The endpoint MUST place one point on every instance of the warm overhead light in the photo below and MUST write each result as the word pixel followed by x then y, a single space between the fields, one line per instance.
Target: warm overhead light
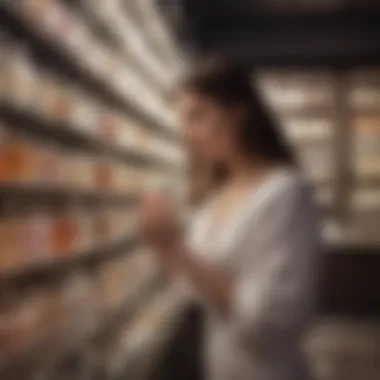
pixel 365 97
pixel 367 167
pixel 284 91
pixel 325 196
pixel 332 231
pixel 365 199
pixel 299 129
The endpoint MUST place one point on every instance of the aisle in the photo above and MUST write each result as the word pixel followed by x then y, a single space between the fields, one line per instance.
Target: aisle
pixel 346 349
pixel 339 348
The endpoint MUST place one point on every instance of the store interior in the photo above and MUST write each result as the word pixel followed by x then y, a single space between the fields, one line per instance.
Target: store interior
pixel 86 126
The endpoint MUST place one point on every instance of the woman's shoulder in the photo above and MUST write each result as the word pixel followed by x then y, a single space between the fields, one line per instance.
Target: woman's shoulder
pixel 291 178
pixel 291 181
pixel 289 188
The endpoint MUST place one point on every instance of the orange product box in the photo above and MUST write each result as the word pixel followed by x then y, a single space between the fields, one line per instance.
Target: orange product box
pixel 22 156
pixel 64 233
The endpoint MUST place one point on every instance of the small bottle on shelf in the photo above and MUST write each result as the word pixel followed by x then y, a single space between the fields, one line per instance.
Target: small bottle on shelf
pixel 82 316
pixel 22 90
pixel 6 68
pixel 107 126
pixel 34 236
pixel 129 179
pixel 103 174
pixel 101 289
pixel 83 114
pixel 117 223
pixel 9 254
pixel 159 148
pixel 142 140
pixel 47 95
pixel 108 214
pixel 110 278
pixel 101 226
pixel 50 167
pixel 22 158
pixel 117 172
pixel 127 134
pixel 74 170
pixel 64 232
pixel 20 326
pixel 96 59
pixel 83 173
pixel 126 221
pixel 87 173
pixel 54 326
pixel 40 85
pixel 84 223
pixel 4 150
pixel 57 102
pixel 98 291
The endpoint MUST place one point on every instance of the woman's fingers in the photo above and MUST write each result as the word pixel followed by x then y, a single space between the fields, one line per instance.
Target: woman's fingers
pixel 157 219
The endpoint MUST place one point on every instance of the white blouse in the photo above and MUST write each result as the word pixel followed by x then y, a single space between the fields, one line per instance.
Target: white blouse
pixel 270 247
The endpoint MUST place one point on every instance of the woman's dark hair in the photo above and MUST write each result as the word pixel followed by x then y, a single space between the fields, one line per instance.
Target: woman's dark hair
pixel 231 84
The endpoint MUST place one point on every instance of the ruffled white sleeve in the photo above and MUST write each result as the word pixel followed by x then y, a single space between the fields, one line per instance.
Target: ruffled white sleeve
pixel 276 272
pixel 181 284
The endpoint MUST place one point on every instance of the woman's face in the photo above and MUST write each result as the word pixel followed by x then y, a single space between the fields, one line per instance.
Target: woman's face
pixel 207 128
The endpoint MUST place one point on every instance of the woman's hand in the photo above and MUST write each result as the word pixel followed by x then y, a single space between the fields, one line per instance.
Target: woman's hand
pixel 158 222
pixel 160 228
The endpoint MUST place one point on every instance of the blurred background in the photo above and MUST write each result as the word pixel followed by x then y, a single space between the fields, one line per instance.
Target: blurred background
pixel 85 126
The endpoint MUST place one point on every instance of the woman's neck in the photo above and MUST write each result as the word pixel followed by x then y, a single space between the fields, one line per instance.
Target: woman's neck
pixel 243 169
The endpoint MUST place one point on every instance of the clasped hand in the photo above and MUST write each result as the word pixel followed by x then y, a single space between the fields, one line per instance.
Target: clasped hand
pixel 158 222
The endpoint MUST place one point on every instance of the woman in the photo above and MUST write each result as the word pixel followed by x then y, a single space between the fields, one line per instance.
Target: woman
pixel 251 253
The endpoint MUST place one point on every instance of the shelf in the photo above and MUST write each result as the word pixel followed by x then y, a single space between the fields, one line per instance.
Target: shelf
pixel 63 63
pixel 109 37
pixel 91 130
pixel 36 192
pixel 106 330
pixel 143 293
pixel 140 354
pixel 63 132
pixel 99 29
pixel 91 256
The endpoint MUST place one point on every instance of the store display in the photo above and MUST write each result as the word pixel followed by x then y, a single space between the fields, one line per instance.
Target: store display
pixel 60 102
pixel 22 156
pixel 367 132
pixel 34 244
pixel 51 167
pixel 57 23
pixel 79 293
pixel 37 319
pixel 75 151
pixel 366 147
pixel 9 254
pixel 21 89
pixel 4 162
pixel 20 326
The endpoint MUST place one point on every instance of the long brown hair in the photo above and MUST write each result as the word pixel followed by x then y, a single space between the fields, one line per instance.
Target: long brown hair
pixel 230 84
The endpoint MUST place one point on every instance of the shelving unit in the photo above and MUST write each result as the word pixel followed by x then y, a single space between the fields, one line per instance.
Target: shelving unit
pixel 339 147
pixel 84 128
pixel 57 34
